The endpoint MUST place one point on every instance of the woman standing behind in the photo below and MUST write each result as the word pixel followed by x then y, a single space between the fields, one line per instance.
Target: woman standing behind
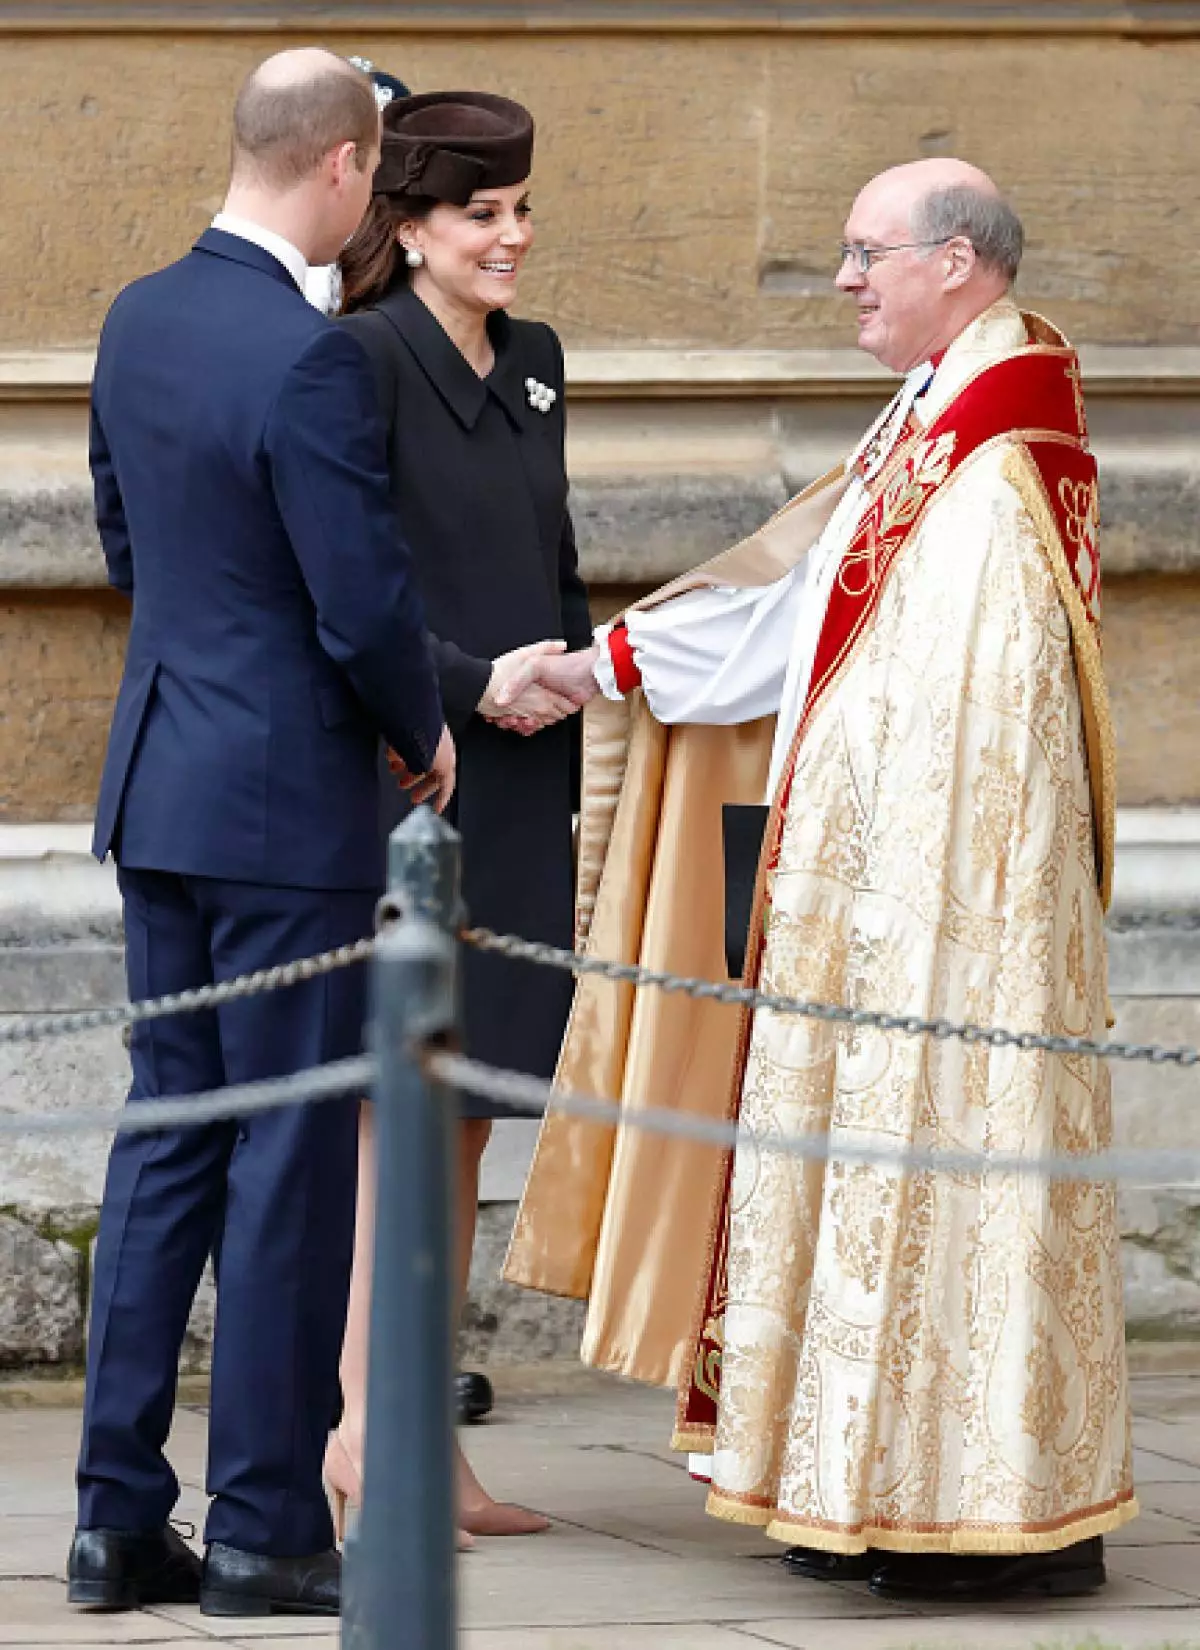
pixel 474 403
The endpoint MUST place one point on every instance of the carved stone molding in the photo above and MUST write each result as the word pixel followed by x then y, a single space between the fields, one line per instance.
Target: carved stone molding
pixel 1130 18
pixel 699 374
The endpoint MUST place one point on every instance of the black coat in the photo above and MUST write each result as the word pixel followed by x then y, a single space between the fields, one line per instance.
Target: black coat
pixel 480 486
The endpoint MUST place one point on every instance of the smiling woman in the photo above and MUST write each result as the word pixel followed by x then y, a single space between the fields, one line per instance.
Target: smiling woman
pixel 473 403
pixel 466 214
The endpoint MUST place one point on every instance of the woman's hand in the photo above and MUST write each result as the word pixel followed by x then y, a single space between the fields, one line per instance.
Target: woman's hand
pixel 517 693
pixel 566 677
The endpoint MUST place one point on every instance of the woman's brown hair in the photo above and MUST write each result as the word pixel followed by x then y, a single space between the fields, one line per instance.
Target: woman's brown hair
pixel 372 261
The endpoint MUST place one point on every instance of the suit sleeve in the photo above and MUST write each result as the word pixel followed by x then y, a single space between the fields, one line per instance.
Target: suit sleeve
pixel 462 678
pixel 324 444
pixel 110 509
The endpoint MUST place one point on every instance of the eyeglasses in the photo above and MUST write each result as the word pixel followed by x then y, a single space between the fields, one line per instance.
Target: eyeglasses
pixel 864 256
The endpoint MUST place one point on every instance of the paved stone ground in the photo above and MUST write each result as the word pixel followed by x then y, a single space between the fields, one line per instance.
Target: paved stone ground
pixel 632 1562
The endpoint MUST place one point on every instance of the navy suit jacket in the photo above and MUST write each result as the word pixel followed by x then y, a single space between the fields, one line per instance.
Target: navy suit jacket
pixel 241 480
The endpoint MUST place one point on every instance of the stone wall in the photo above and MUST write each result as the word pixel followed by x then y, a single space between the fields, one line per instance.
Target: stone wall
pixel 694 164
pixel 690 182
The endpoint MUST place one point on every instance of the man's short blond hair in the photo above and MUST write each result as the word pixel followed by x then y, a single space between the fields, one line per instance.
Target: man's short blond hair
pixel 285 124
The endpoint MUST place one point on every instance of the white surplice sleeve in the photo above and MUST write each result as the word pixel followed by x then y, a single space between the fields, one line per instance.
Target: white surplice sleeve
pixel 717 656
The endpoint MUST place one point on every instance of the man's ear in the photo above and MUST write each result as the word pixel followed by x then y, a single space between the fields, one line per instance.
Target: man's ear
pixel 960 263
pixel 341 162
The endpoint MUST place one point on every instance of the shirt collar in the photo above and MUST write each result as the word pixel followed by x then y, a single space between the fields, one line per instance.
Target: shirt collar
pixel 323 287
pixel 292 259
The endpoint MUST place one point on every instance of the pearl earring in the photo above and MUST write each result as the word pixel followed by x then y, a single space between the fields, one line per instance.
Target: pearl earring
pixel 413 258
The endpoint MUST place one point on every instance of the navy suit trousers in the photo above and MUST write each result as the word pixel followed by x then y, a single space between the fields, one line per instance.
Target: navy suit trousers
pixel 271 1198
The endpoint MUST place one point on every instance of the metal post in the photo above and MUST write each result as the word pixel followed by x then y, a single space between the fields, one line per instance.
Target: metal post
pixel 399 1592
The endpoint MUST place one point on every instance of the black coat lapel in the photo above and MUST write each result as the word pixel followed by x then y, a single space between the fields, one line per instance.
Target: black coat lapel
pixel 448 370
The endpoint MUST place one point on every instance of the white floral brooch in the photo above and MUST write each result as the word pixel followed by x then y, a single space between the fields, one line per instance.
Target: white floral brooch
pixel 541 396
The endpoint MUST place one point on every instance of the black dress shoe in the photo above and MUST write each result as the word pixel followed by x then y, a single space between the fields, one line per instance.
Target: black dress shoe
pixel 815 1565
pixel 117 1570
pixel 946 1578
pixel 251 1584
pixel 473 1396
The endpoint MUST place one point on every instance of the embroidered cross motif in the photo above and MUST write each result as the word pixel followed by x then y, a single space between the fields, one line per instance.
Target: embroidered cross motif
pixel 1081 502
pixel 899 503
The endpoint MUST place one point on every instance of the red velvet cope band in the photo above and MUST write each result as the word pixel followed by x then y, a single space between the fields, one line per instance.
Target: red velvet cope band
pixel 624 664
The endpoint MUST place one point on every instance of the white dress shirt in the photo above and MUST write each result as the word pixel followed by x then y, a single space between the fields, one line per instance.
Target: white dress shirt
pixel 292 259
pixel 732 655
pixel 323 287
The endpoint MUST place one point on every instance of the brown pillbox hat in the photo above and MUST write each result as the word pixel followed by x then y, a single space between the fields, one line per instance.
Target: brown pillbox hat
pixel 446 145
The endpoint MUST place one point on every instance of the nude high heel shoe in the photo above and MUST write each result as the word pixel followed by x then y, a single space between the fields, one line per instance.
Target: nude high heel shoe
pixel 343 1480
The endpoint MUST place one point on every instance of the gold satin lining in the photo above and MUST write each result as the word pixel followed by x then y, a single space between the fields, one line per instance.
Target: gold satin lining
pixel 624 1222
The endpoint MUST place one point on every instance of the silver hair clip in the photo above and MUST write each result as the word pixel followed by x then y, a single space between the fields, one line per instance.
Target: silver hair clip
pixel 383 94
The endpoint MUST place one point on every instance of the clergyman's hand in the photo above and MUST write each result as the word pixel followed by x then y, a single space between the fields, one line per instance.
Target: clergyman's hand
pixel 512 674
pixel 569 676
pixel 437 785
pixel 515 692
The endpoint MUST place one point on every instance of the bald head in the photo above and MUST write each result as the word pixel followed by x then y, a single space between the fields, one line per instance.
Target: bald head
pixel 906 185
pixel 938 200
pixel 930 247
pixel 294 109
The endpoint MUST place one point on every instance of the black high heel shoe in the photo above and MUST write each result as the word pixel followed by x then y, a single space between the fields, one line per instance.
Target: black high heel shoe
pixel 473 1396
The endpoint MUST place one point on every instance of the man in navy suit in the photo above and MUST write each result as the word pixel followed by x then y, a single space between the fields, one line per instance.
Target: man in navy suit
pixel 242 500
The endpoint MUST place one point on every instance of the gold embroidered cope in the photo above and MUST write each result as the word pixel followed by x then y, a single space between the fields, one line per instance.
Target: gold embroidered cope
pixel 901 1361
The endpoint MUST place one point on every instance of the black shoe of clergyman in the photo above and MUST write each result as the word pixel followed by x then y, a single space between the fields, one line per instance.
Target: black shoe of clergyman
pixel 473 1396
pixel 815 1565
pixel 251 1584
pixel 120 1570
pixel 953 1579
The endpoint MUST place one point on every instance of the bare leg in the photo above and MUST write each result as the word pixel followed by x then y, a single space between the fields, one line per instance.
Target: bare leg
pixel 344 1455
pixel 477 1512
pixel 353 1367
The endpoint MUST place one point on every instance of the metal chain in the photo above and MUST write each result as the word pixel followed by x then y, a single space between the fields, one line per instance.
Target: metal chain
pixel 908 1025
pixel 533 1097
pixel 213 1106
pixel 34 1027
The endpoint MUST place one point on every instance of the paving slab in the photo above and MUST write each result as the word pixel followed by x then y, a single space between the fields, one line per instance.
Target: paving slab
pixel 1152 1529
pixel 1177 1568
pixel 1180 1501
pixel 678 1636
pixel 35 1611
pixel 632 1561
pixel 265 1631
pixel 1116 1630
pixel 1178 1440
pixel 1152 1467
pixel 304 1641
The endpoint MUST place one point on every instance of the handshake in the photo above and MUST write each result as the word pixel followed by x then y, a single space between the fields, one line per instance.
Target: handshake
pixel 529 689
pixel 536 686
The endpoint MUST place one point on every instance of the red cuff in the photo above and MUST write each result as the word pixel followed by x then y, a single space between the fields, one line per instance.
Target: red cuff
pixel 623 662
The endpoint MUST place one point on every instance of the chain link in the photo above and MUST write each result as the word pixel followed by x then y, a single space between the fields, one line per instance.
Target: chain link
pixel 533 1097
pixel 908 1025
pixel 213 1106
pixel 34 1027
